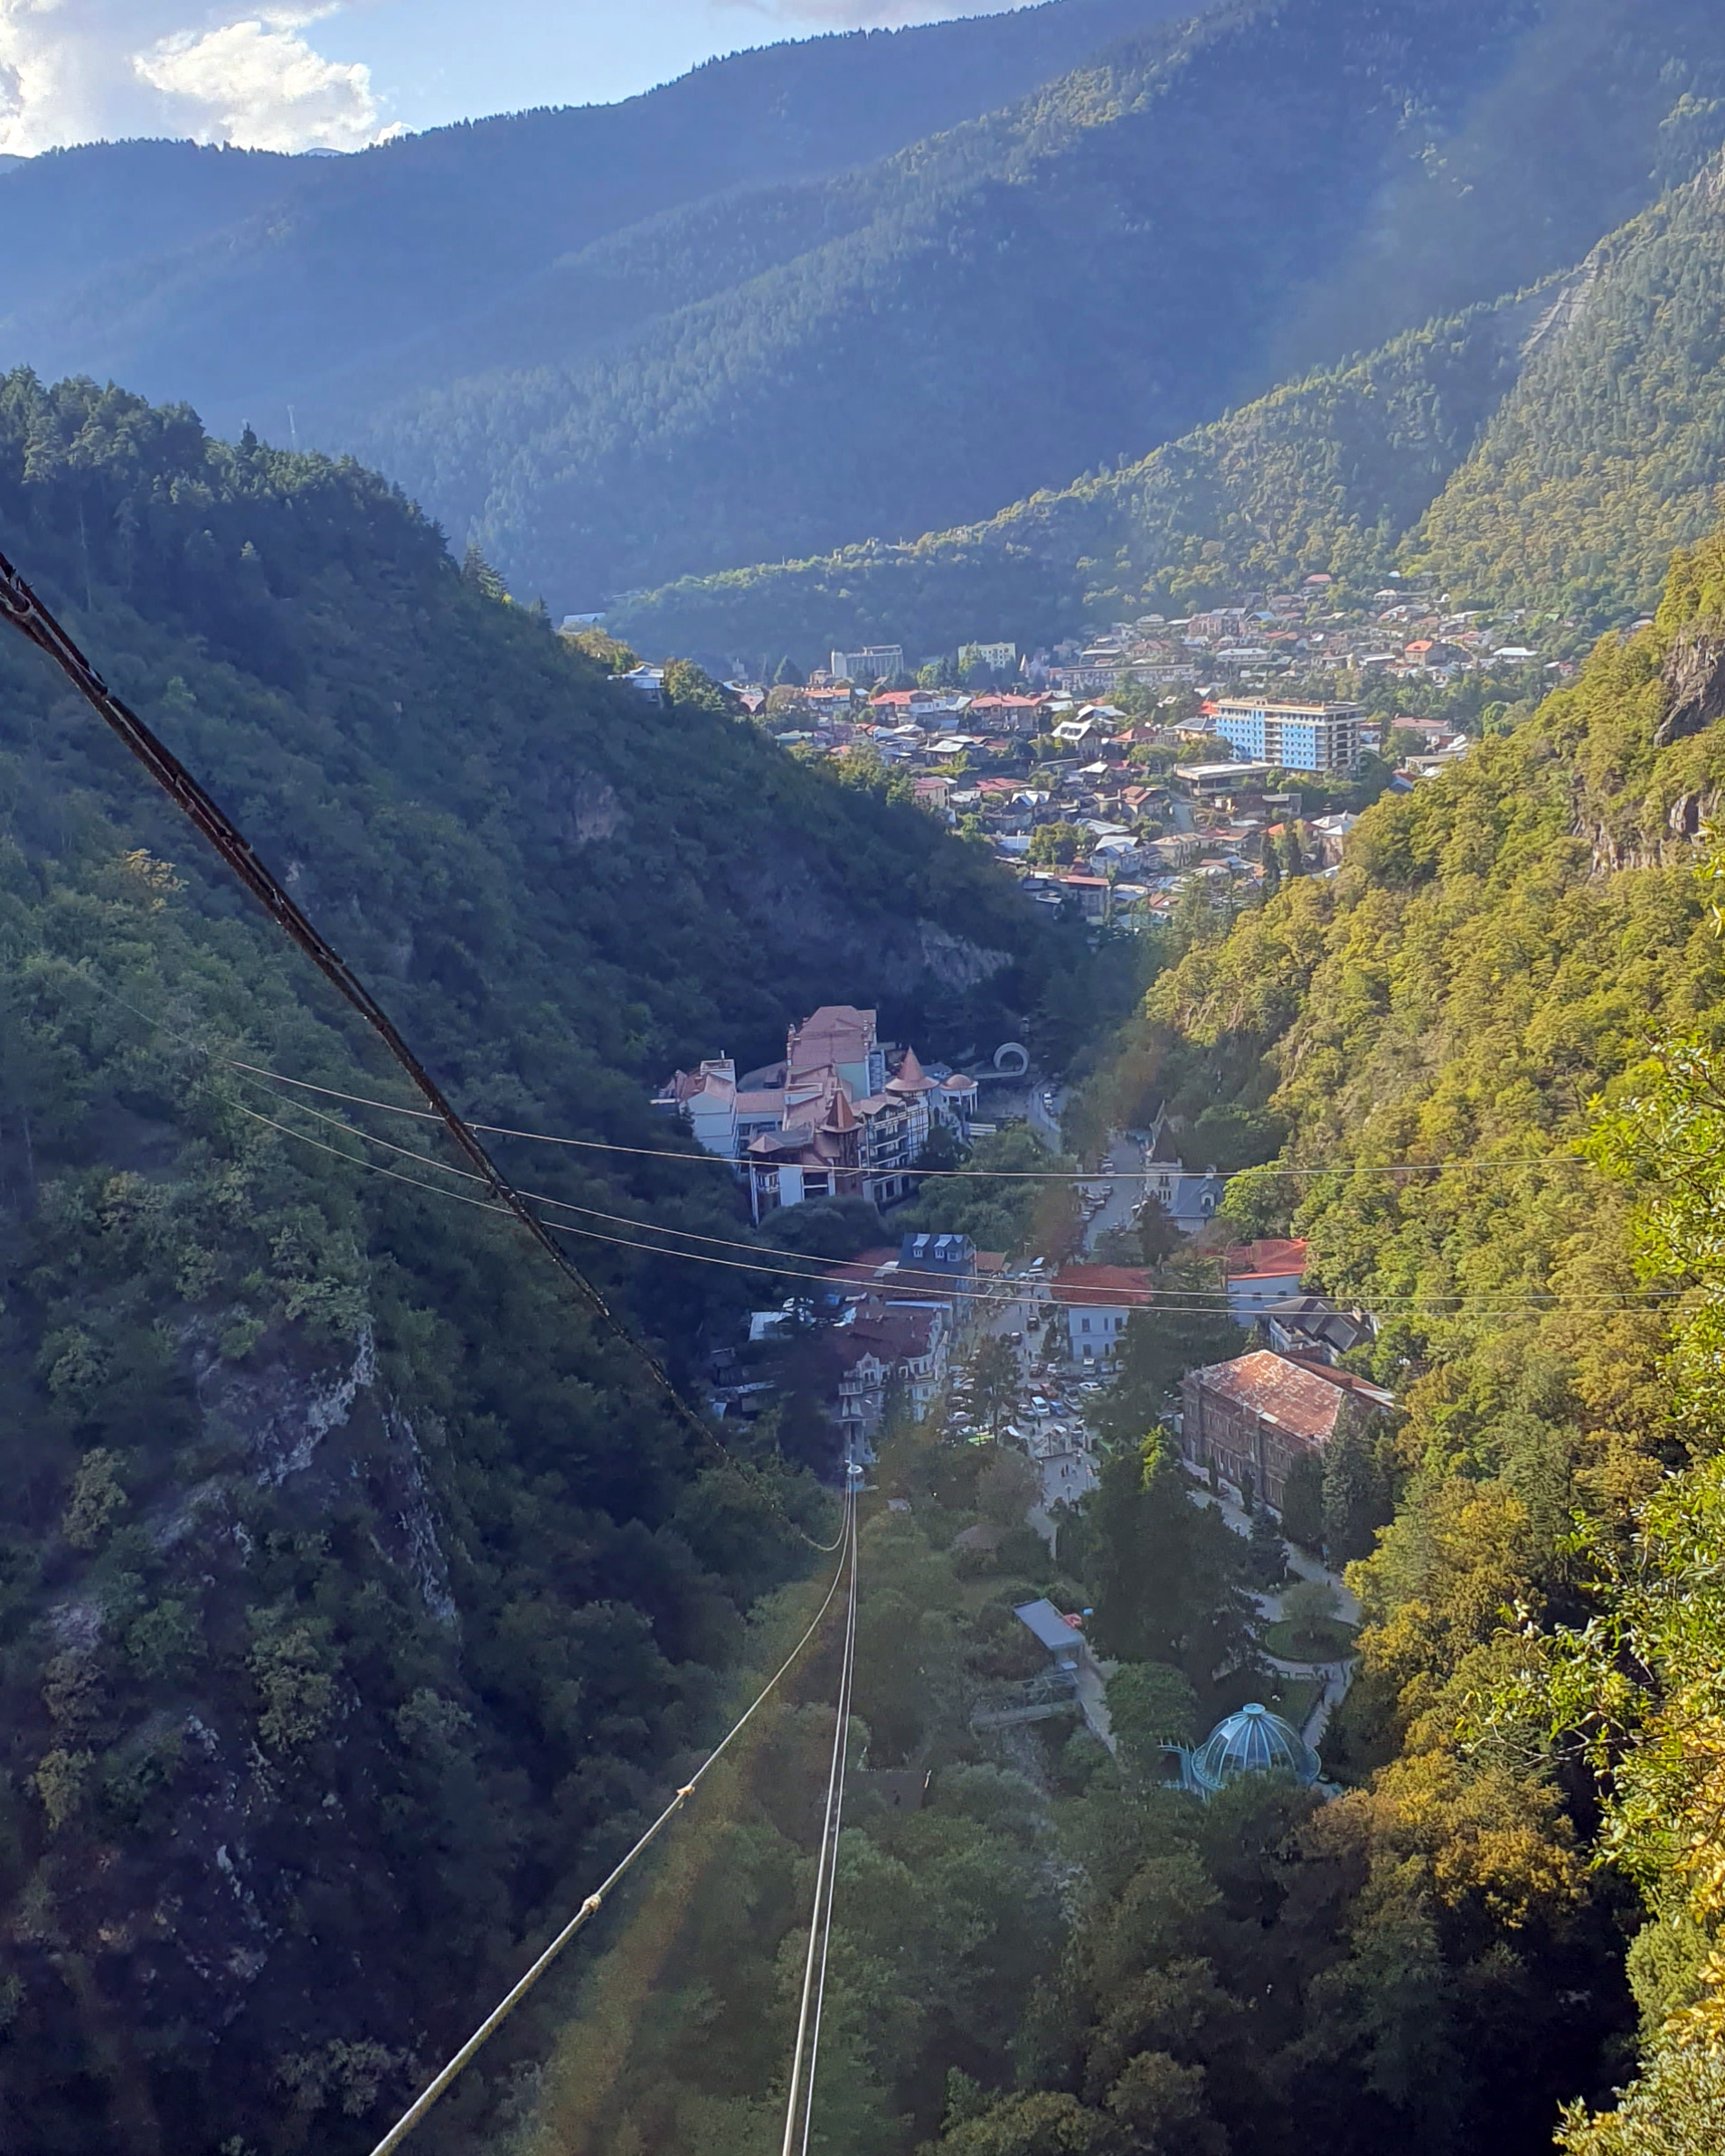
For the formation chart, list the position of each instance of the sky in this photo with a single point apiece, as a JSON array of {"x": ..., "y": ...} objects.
[{"x": 338, "y": 74}]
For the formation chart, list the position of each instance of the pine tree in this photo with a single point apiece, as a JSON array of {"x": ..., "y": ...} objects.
[
  {"x": 1266, "y": 1552},
  {"x": 1303, "y": 1503},
  {"x": 1291, "y": 853},
  {"x": 1357, "y": 1496},
  {"x": 478, "y": 573}
]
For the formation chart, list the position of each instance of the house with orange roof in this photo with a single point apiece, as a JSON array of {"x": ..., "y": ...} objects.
[{"x": 1262, "y": 1273}]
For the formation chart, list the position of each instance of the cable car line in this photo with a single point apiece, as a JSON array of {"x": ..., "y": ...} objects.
[
  {"x": 799, "y": 2098},
  {"x": 703, "y": 1159},
  {"x": 784, "y": 1265},
  {"x": 21, "y": 607},
  {"x": 590, "y": 1908},
  {"x": 1179, "y": 1301}
]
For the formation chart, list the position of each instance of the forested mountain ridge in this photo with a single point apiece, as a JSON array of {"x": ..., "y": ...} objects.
[
  {"x": 1549, "y": 451},
  {"x": 1610, "y": 451},
  {"x": 1332, "y": 473},
  {"x": 675, "y": 361},
  {"x": 241, "y": 280},
  {"x": 715, "y": 435},
  {"x": 354, "y": 1589}
]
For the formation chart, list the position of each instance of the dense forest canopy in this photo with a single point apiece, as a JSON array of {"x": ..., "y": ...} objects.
[
  {"x": 1332, "y": 473},
  {"x": 1450, "y": 1953},
  {"x": 1548, "y": 451}
]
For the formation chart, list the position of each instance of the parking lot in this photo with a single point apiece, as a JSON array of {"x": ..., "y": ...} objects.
[{"x": 1049, "y": 1424}]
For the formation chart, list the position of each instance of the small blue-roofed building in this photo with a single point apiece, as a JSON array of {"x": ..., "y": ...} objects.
[
  {"x": 943, "y": 1266},
  {"x": 1064, "y": 1641}
]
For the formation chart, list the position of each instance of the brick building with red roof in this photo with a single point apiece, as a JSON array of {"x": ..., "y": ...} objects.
[{"x": 1257, "y": 1415}]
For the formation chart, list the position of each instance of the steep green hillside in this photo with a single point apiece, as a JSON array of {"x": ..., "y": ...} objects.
[
  {"x": 354, "y": 1593},
  {"x": 846, "y": 388},
  {"x": 1164, "y": 234},
  {"x": 1499, "y": 948},
  {"x": 1611, "y": 451},
  {"x": 703, "y": 328},
  {"x": 1329, "y": 473}
]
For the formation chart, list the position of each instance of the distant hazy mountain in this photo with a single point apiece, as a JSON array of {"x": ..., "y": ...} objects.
[
  {"x": 242, "y": 280},
  {"x": 1329, "y": 473},
  {"x": 871, "y": 285}
]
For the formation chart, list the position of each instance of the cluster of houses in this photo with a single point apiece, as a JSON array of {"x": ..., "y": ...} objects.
[
  {"x": 895, "y": 1319},
  {"x": 1403, "y": 632},
  {"x": 1044, "y": 737},
  {"x": 1138, "y": 811}
]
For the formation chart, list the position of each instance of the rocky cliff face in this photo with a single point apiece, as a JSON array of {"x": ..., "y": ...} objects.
[
  {"x": 185, "y": 1855},
  {"x": 1695, "y": 679}
]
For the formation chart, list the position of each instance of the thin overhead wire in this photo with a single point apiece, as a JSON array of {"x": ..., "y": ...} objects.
[
  {"x": 698, "y": 1158},
  {"x": 807, "y": 2042},
  {"x": 1486, "y": 1303},
  {"x": 20, "y": 606},
  {"x": 849, "y": 1677},
  {"x": 595, "y": 1901}
]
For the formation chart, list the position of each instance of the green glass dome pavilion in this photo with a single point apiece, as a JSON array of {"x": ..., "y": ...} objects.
[{"x": 1252, "y": 1742}]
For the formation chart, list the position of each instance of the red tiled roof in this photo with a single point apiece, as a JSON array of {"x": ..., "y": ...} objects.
[
  {"x": 1273, "y": 1255},
  {"x": 1300, "y": 1396},
  {"x": 1129, "y": 1284}
]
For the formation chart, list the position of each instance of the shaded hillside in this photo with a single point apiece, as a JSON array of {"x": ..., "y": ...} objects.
[
  {"x": 1164, "y": 234},
  {"x": 355, "y": 1591},
  {"x": 1611, "y": 451},
  {"x": 1187, "y": 181},
  {"x": 744, "y": 318},
  {"x": 1326, "y": 473}
]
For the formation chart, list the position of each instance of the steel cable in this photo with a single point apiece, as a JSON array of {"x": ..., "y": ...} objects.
[
  {"x": 590, "y": 1908},
  {"x": 807, "y": 2041},
  {"x": 20, "y": 606}
]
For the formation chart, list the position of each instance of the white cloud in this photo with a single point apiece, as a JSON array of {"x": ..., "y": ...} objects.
[{"x": 75, "y": 71}]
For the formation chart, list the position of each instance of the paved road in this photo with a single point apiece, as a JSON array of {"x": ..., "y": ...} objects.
[
  {"x": 1126, "y": 1188},
  {"x": 1336, "y": 1676},
  {"x": 1046, "y": 1122}
]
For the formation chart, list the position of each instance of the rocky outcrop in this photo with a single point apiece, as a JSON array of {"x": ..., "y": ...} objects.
[{"x": 1694, "y": 682}]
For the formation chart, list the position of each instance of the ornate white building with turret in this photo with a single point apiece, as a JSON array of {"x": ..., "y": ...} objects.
[{"x": 830, "y": 1121}]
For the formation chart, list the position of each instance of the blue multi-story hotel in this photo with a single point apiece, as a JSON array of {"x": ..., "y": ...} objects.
[{"x": 1296, "y": 736}]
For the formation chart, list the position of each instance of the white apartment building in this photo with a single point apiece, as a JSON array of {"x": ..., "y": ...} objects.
[{"x": 873, "y": 663}]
